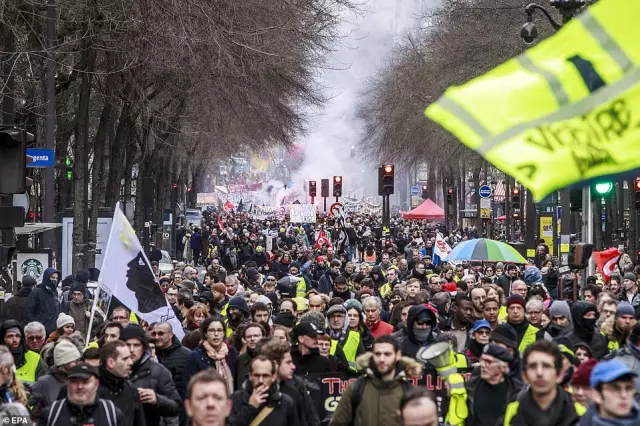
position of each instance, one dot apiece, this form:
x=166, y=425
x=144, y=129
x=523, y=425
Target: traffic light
x=386, y=177
x=516, y=199
x=425, y=194
x=324, y=188
x=636, y=186
x=337, y=186
x=69, y=167
x=312, y=188
x=601, y=189
x=13, y=160
x=450, y=196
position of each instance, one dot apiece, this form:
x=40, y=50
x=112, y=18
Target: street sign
x=484, y=191
x=415, y=190
x=41, y=157
x=485, y=208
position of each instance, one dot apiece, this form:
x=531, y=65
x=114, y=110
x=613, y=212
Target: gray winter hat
x=560, y=308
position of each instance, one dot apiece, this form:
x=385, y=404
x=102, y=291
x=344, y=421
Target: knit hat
x=505, y=334
x=582, y=374
x=336, y=308
x=134, y=331
x=77, y=286
x=286, y=319
x=560, y=308
x=14, y=329
x=65, y=352
x=220, y=288
x=630, y=276
x=64, y=319
x=239, y=303
x=498, y=352
x=28, y=281
x=532, y=275
x=366, y=291
x=625, y=308
x=515, y=299
x=353, y=303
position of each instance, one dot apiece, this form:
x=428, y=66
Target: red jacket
x=380, y=328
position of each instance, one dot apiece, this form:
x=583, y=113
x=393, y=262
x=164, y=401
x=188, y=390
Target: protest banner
x=302, y=213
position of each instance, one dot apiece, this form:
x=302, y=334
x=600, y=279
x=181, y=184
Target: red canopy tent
x=428, y=210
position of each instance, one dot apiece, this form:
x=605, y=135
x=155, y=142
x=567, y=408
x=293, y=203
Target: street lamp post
x=492, y=214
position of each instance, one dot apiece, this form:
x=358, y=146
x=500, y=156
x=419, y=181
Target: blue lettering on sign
x=41, y=157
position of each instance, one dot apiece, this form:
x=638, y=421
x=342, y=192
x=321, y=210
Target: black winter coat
x=124, y=395
x=174, y=358
x=153, y=375
x=43, y=305
x=15, y=308
x=94, y=414
x=284, y=410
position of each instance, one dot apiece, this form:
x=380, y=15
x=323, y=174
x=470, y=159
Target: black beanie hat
x=505, y=334
x=134, y=331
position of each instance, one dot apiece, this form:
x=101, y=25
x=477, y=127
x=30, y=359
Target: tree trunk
x=80, y=154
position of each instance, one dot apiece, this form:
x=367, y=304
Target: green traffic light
x=603, y=188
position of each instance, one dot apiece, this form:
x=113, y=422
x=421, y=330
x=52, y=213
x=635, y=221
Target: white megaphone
x=440, y=356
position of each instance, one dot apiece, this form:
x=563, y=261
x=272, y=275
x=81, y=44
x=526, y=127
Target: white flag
x=126, y=273
x=442, y=249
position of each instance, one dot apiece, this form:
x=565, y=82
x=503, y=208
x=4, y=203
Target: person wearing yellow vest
x=237, y=313
x=28, y=366
x=338, y=330
x=544, y=402
x=303, y=285
x=516, y=318
x=484, y=398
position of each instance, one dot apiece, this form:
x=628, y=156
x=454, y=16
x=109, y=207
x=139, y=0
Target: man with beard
x=460, y=323
x=46, y=389
x=403, y=270
x=160, y=399
x=385, y=262
x=28, y=365
x=630, y=293
x=505, y=280
x=483, y=399
x=618, y=331
x=341, y=290
x=325, y=284
x=304, y=284
x=478, y=296
x=584, y=316
x=261, y=313
x=78, y=308
x=374, y=399
x=419, y=273
x=560, y=321
x=419, y=330
x=252, y=335
x=237, y=313
x=43, y=305
x=306, y=356
x=517, y=319
x=217, y=297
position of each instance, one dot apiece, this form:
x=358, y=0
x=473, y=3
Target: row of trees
x=160, y=88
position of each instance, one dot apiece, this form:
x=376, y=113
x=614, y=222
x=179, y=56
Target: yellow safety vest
x=612, y=344
x=350, y=347
x=223, y=312
x=27, y=373
x=540, y=117
x=512, y=410
x=528, y=338
x=458, y=409
x=385, y=290
x=228, y=328
x=458, y=361
x=301, y=288
x=502, y=314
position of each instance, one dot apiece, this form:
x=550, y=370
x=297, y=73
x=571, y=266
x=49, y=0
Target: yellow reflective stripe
x=465, y=116
x=334, y=346
x=552, y=80
x=447, y=370
x=456, y=385
x=607, y=43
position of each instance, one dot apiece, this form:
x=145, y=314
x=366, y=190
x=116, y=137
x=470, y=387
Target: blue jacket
x=196, y=241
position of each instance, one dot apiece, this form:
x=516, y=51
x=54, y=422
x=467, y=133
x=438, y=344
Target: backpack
x=358, y=391
x=107, y=406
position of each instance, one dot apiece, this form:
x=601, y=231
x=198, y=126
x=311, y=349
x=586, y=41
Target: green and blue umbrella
x=485, y=250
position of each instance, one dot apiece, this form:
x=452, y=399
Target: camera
x=529, y=32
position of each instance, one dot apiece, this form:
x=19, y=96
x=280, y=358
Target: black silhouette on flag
x=142, y=283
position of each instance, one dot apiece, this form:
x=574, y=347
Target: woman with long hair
x=495, y=291
x=356, y=323
x=195, y=316
x=213, y=352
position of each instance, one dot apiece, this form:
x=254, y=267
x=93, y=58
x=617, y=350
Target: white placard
x=302, y=213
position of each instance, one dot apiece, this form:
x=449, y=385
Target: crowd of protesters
x=276, y=304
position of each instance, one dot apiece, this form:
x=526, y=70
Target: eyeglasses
x=35, y=338
x=483, y=332
x=271, y=279
x=215, y=331
x=418, y=322
x=158, y=333
x=119, y=318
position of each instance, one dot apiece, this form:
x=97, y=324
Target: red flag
x=322, y=239
x=606, y=261
x=220, y=223
x=228, y=205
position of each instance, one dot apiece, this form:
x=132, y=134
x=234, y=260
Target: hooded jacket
x=380, y=399
x=43, y=305
x=584, y=330
x=148, y=374
x=409, y=345
x=592, y=418
x=28, y=365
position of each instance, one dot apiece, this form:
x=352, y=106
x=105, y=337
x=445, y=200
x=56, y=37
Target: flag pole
x=93, y=312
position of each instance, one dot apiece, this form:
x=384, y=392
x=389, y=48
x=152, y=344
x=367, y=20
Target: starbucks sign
x=34, y=268
x=32, y=263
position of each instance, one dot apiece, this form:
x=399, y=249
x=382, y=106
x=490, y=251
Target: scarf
x=219, y=357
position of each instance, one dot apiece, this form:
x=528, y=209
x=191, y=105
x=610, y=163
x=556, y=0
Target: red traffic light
x=424, y=187
x=388, y=169
x=188, y=189
x=515, y=191
x=174, y=185
x=449, y=191
x=337, y=179
x=637, y=184
x=31, y=215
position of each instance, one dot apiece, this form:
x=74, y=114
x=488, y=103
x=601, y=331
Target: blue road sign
x=484, y=191
x=42, y=157
x=415, y=190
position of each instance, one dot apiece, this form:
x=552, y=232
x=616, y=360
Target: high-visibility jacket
x=613, y=345
x=385, y=290
x=228, y=328
x=512, y=410
x=349, y=347
x=27, y=373
x=539, y=117
x=502, y=314
x=301, y=288
x=459, y=361
x=223, y=312
x=528, y=338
